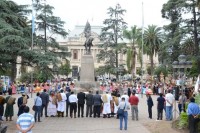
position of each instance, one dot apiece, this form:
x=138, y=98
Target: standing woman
x=10, y=101
x=150, y=105
x=52, y=110
x=126, y=106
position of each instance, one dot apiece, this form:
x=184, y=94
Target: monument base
x=87, y=80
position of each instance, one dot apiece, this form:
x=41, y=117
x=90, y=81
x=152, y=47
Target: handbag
x=120, y=112
x=34, y=106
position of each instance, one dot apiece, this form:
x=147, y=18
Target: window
x=75, y=54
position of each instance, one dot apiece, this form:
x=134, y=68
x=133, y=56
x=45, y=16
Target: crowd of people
x=63, y=102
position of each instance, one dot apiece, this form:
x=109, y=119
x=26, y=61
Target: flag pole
x=142, y=48
x=32, y=47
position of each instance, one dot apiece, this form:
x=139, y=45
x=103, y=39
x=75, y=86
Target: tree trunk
x=133, y=60
x=117, y=73
x=13, y=71
x=152, y=64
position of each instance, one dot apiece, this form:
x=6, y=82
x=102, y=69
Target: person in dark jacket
x=21, y=102
x=89, y=103
x=67, y=101
x=2, y=102
x=81, y=101
x=150, y=105
x=97, y=104
x=45, y=100
x=129, y=92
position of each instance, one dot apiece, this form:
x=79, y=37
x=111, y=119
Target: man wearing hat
x=193, y=112
x=21, y=102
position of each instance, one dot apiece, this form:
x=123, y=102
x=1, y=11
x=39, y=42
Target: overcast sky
x=77, y=12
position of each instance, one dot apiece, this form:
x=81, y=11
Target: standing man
x=73, y=104
x=2, y=102
x=38, y=106
x=45, y=100
x=150, y=105
x=61, y=104
x=134, y=100
x=160, y=106
x=97, y=104
x=89, y=103
x=25, y=121
x=169, y=105
x=67, y=101
x=193, y=113
x=81, y=101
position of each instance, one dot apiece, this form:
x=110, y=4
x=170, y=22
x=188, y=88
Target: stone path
x=88, y=125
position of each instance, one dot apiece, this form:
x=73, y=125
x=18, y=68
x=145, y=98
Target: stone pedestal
x=87, y=81
x=87, y=69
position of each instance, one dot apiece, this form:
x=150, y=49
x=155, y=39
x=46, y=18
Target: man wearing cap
x=193, y=112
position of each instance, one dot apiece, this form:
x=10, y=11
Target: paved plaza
x=88, y=125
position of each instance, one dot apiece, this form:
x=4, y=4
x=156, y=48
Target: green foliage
x=134, y=35
x=183, y=122
x=65, y=69
x=128, y=60
x=160, y=69
x=152, y=42
x=112, y=34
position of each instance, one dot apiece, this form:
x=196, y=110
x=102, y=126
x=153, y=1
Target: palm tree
x=133, y=36
x=152, y=42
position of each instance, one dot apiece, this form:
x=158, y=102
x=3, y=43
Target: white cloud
x=77, y=12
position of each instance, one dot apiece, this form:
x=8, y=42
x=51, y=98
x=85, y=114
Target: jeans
x=37, y=113
x=134, y=111
x=169, y=113
x=125, y=118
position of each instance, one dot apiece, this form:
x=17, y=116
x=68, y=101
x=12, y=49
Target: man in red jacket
x=134, y=100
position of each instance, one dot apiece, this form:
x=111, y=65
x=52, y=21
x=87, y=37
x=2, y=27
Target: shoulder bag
x=120, y=112
x=34, y=106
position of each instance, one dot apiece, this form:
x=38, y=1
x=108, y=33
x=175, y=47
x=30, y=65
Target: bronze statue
x=89, y=39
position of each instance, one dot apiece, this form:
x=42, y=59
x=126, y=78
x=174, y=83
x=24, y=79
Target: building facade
x=75, y=44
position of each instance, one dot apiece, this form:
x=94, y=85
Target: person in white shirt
x=73, y=104
x=169, y=105
x=125, y=96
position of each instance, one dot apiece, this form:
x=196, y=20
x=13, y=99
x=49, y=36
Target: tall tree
x=152, y=41
x=133, y=36
x=112, y=34
x=13, y=41
x=48, y=27
x=172, y=11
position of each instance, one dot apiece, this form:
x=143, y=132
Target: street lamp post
x=182, y=65
x=120, y=69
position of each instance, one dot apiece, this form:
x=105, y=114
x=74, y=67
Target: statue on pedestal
x=89, y=38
